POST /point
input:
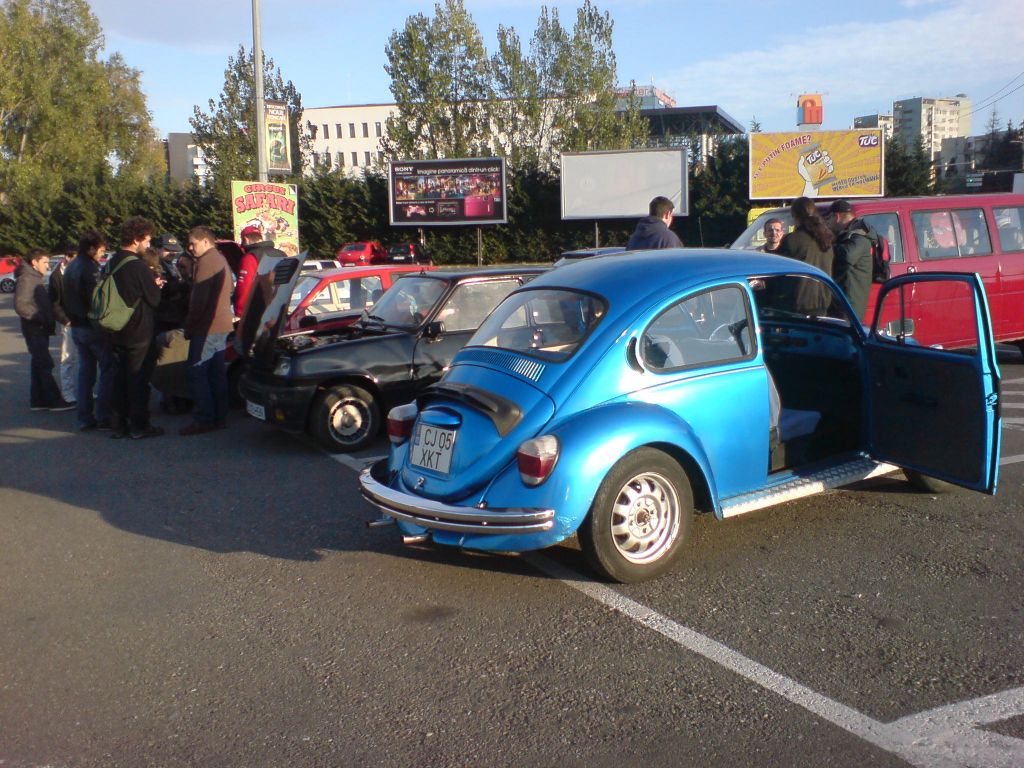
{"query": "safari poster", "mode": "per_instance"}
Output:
(784, 166)
(275, 123)
(274, 208)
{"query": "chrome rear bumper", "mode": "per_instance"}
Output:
(447, 517)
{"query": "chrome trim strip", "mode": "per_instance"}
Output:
(447, 517)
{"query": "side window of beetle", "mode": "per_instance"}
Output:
(707, 328)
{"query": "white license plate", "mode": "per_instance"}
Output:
(255, 410)
(432, 448)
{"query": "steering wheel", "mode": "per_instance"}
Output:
(727, 331)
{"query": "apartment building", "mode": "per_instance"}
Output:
(885, 122)
(185, 159)
(347, 137)
(932, 119)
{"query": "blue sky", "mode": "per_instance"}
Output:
(752, 59)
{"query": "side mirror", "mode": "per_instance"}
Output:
(433, 330)
(308, 321)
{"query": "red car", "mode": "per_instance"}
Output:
(368, 252)
(335, 298)
(7, 266)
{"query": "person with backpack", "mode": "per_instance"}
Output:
(95, 357)
(852, 263)
(33, 304)
(135, 350)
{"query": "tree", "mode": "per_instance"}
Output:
(438, 70)
(227, 132)
(907, 170)
(719, 194)
(64, 112)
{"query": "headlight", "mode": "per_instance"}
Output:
(283, 366)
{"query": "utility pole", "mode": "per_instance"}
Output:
(257, 61)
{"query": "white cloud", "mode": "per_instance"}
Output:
(939, 53)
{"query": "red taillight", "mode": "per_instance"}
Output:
(537, 458)
(400, 421)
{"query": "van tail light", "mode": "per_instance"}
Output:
(537, 458)
(400, 421)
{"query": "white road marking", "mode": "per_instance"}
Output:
(355, 463)
(945, 737)
(935, 739)
(1012, 381)
(1013, 405)
(1012, 420)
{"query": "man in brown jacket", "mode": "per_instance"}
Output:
(207, 326)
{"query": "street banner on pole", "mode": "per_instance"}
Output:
(275, 127)
(784, 166)
(274, 208)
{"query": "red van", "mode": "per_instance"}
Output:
(954, 233)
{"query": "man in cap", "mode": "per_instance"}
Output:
(255, 247)
(174, 292)
(851, 263)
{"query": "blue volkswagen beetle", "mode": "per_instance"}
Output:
(614, 397)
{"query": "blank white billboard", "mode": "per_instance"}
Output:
(599, 185)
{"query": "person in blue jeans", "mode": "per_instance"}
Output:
(207, 326)
(95, 356)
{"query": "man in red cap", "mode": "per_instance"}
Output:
(255, 247)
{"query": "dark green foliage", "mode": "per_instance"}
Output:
(907, 169)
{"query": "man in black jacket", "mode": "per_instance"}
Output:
(68, 357)
(135, 350)
(95, 355)
(653, 231)
(34, 307)
(851, 263)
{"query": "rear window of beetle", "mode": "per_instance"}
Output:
(550, 324)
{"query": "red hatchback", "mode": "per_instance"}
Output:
(369, 252)
(334, 298)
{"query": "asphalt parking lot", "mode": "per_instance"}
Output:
(218, 600)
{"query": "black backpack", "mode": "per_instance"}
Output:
(879, 260)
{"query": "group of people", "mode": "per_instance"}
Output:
(839, 243)
(167, 287)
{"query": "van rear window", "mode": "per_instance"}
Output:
(1010, 225)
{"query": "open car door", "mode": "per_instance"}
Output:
(934, 409)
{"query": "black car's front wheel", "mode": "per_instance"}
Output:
(640, 518)
(345, 418)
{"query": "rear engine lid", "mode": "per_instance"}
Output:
(468, 429)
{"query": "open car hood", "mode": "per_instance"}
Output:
(267, 308)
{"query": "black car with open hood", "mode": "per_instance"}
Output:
(339, 385)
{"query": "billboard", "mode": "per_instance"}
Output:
(274, 208)
(275, 126)
(448, 192)
(784, 166)
(600, 185)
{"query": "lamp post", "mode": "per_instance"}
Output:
(257, 62)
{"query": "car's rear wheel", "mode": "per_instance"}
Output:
(640, 518)
(345, 418)
(6, 285)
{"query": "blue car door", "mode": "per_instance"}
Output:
(930, 408)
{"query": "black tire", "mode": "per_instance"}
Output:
(6, 285)
(928, 484)
(345, 419)
(641, 518)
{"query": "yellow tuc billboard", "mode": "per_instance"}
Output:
(784, 166)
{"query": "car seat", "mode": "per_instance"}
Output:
(789, 423)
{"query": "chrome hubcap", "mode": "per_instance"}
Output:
(348, 420)
(645, 518)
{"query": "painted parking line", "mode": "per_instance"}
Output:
(355, 463)
(947, 736)
(1011, 381)
(1011, 459)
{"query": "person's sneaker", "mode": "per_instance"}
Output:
(150, 431)
(61, 405)
(195, 428)
(117, 434)
(104, 426)
(37, 407)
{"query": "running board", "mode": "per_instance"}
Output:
(806, 485)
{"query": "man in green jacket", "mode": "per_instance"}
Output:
(851, 263)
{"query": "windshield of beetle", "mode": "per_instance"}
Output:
(407, 303)
(547, 323)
